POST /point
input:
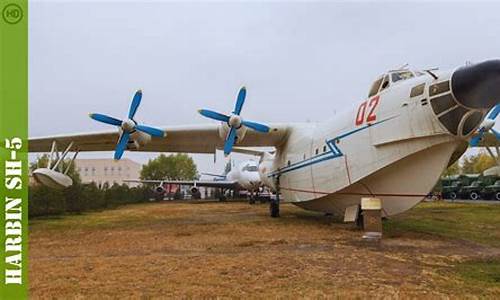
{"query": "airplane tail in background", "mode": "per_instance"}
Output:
(214, 175)
(250, 151)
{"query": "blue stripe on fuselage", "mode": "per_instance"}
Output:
(333, 153)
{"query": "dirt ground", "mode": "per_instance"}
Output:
(234, 250)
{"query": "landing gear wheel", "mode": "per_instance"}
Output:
(359, 219)
(453, 195)
(474, 196)
(497, 196)
(251, 198)
(274, 208)
(274, 204)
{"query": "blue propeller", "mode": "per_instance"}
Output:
(486, 126)
(128, 126)
(234, 121)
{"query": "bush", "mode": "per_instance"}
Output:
(79, 198)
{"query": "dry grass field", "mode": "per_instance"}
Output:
(234, 250)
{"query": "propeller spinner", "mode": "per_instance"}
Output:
(128, 126)
(486, 126)
(234, 121)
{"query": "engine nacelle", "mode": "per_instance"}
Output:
(194, 190)
(224, 130)
(160, 190)
(265, 166)
(138, 139)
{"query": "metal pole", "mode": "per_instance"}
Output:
(63, 155)
(71, 162)
(51, 154)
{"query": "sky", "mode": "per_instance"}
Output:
(300, 61)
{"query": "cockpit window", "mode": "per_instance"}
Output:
(401, 75)
(385, 83)
(375, 87)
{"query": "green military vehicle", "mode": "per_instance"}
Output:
(473, 190)
(482, 187)
(451, 186)
(451, 189)
(470, 186)
(491, 192)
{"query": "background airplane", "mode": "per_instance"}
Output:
(244, 176)
(394, 145)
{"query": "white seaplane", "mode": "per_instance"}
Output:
(394, 145)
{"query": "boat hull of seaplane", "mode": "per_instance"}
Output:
(400, 185)
(393, 146)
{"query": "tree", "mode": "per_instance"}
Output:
(484, 162)
(477, 163)
(454, 169)
(172, 167)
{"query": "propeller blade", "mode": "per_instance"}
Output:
(136, 101)
(106, 119)
(214, 115)
(228, 145)
(122, 145)
(477, 138)
(494, 113)
(496, 133)
(240, 101)
(256, 126)
(150, 130)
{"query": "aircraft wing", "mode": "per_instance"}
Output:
(190, 139)
(198, 183)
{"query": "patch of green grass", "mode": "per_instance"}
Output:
(480, 271)
(113, 217)
(473, 222)
(480, 278)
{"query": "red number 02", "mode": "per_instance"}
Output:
(371, 105)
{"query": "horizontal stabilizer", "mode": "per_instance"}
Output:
(214, 175)
(250, 151)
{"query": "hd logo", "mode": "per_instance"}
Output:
(12, 13)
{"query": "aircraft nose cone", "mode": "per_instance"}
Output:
(128, 125)
(478, 85)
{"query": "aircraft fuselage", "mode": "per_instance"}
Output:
(393, 146)
(246, 174)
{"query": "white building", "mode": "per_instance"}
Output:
(111, 171)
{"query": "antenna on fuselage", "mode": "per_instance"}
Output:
(430, 72)
(401, 68)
